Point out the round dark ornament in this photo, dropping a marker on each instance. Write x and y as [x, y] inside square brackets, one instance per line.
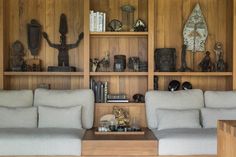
[187, 86]
[115, 25]
[174, 85]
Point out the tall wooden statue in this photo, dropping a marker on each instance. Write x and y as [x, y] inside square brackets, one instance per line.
[63, 47]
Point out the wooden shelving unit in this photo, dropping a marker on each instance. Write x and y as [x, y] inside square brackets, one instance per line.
[220, 74]
[43, 73]
[165, 20]
[95, 34]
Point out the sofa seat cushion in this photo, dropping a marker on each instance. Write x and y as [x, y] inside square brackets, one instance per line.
[187, 141]
[40, 141]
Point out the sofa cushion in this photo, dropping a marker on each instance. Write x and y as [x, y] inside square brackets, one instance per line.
[210, 116]
[16, 98]
[54, 117]
[68, 98]
[170, 119]
[23, 117]
[220, 99]
[188, 99]
[187, 141]
[40, 141]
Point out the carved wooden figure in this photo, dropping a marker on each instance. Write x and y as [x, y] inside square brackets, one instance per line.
[63, 48]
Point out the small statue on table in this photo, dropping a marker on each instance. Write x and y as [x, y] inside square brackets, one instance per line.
[206, 64]
[184, 67]
[122, 116]
[100, 65]
[17, 56]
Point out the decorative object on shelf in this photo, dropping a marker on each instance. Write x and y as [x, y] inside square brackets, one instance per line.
[195, 32]
[174, 85]
[140, 26]
[206, 64]
[97, 21]
[100, 65]
[100, 90]
[63, 48]
[115, 26]
[143, 66]
[122, 116]
[165, 59]
[128, 17]
[94, 64]
[156, 82]
[187, 86]
[134, 124]
[184, 67]
[44, 86]
[220, 64]
[133, 63]
[117, 98]
[119, 63]
[17, 57]
[107, 123]
[34, 32]
[139, 98]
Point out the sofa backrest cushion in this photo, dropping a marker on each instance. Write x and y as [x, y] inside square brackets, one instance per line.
[20, 117]
[220, 99]
[16, 98]
[210, 116]
[182, 100]
[68, 98]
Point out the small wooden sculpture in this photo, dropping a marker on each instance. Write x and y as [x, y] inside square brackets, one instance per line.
[17, 56]
[220, 64]
[206, 64]
[63, 47]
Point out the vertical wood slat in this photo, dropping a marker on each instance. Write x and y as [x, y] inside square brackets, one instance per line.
[1, 43]
[151, 8]
[86, 43]
[234, 44]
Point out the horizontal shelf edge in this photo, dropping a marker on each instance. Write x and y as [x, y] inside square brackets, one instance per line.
[118, 33]
[119, 73]
[193, 74]
[120, 104]
[43, 73]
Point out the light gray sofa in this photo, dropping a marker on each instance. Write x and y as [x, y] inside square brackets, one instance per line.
[170, 114]
[31, 136]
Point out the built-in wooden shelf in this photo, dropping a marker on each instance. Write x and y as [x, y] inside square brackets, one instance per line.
[220, 74]
[43, 73]
[120, 104]
[94, 34]
[118, 73]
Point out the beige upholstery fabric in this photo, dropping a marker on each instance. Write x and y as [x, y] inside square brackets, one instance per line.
[189, 99]
[16, 98]
[68, 98]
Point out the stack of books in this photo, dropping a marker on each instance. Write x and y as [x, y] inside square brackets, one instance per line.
[100, 90]
[117, 98]
[97, 21]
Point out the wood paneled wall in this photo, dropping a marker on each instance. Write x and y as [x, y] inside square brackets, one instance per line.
[47, 12]
[170, 18]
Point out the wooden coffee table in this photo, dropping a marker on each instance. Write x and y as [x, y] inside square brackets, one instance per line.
[119, 145]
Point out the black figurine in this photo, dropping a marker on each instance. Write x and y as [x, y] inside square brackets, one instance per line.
[187, 86]
[63, 48]
[206, 64]
[184, 67]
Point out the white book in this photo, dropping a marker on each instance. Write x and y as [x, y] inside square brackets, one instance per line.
[100, 22]
[91, 21]
[97, 22]
[104, 22]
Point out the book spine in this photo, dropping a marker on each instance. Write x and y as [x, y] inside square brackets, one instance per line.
[105, 91]
[95, 22]
[102, 93]
[104, 22]
[97, 19]
[91, 21]
[101, 22]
